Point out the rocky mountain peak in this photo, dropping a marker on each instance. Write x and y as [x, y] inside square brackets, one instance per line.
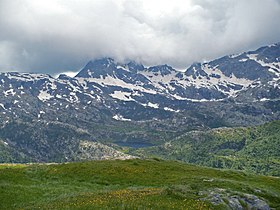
[161, 69]
[64, 77]
[133, 66]
[97, 68]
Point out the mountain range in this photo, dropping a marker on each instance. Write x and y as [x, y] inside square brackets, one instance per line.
[49, 119]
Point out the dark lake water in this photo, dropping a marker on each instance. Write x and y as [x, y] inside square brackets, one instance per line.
[135, 145]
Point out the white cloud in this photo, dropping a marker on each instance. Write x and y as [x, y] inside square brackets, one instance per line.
[58, 35]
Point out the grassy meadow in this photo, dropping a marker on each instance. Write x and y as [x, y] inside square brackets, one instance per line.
[129, 184]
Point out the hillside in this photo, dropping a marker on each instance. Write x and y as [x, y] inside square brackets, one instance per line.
[253, 149]
[133, 184]
[23, 142]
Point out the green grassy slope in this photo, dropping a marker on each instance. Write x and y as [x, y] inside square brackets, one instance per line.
[130, 184]
[254, 149]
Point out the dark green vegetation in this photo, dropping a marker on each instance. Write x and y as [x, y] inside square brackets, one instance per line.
[131, 184]
[253, 149]
[29, 141]
[22, 142]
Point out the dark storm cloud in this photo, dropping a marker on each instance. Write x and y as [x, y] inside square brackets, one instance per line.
[61, 35]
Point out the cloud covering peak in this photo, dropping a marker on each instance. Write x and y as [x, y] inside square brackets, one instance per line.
[61, 35]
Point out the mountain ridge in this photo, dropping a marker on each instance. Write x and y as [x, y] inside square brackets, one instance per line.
[129, 102]
[105, 81]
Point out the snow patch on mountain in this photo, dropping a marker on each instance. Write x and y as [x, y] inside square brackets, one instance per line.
[124, 96]
[44, 96]
[9, 92]
[170, 109]
[113, 81]
[152, 105]
[120, 118]
[2, 105]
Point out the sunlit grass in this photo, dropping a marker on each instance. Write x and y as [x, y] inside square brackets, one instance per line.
[146, 198]
[130, 184]
[12, 165]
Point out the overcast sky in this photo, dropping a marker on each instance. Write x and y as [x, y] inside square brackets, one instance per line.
[54, 36]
